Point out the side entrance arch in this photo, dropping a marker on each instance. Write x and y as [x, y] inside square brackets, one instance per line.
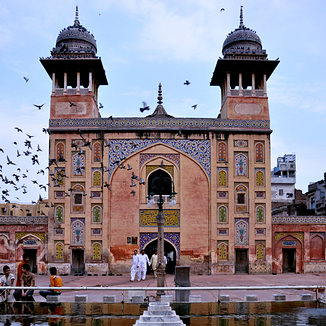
[169, 253]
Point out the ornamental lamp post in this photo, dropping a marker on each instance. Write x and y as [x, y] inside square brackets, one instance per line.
[160, 186]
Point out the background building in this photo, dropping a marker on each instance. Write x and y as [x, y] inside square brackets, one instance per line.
[24, 228]
[283, 180]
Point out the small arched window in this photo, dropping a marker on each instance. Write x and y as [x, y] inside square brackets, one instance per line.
[155, 182]
[221, 152]
[60, 151]
[97, 152]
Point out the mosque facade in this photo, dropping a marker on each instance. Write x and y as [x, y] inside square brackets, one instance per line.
[102, 169]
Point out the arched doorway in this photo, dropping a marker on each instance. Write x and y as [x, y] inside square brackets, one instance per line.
[169, 253]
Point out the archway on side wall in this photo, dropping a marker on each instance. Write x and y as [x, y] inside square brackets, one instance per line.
[169, 253]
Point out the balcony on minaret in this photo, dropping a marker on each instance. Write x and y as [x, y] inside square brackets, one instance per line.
[243, 84]
[73, 84]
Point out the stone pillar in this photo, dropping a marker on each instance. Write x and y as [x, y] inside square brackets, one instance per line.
[53, 83]
[265, 85]
[253, 84]
[228, 84]
[78, 82]
[90, 82]
[160, 251]
[65, 82]
[240, 84]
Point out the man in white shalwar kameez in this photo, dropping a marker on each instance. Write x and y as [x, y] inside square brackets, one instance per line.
[135, 267]
[143, 261]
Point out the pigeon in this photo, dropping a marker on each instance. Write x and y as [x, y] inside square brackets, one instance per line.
[18, 129]
[1, 150]
[145, 107]
[133, 192]
[29, 136]
[26, 79]
[195, 106]
[129, 167]
[142, 182]
[39, 106]
[187, 82]
[101, 106]
[222, 9]
[133, 183]
[107, 185]
[72, 104]
[38, 148]
[9, 161]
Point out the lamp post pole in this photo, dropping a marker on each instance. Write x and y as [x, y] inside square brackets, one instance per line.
[161, 185]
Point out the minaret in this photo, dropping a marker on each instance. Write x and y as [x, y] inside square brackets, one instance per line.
[242, 74]
[76, 74]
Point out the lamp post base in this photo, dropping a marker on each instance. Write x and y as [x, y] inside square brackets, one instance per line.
[160, 280]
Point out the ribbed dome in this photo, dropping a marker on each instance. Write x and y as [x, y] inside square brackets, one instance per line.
[75, 38]
[242, 37]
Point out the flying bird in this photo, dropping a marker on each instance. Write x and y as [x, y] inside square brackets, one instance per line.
[18, 129]
[129, 167]
[39, 106]
[9, 161]
[38, 148]
[29, 136]
[72, 104]
[194, 106]
[101, 106]
[133, 183]
[187, 82]
[26, 79]
[1, 150]
[107, 185]
[133, 192]
[222, 9]
[145, 107]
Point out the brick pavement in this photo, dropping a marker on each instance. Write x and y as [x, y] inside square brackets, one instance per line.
[196, 281]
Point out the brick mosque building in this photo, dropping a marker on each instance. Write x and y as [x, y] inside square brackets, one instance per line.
[220, 167]
[102, 170]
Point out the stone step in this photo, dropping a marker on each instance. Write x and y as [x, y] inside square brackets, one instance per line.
[163, 323]
[159, 318]
[159, 308]
[160, 313]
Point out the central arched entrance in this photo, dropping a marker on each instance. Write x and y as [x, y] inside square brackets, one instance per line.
[169, 253]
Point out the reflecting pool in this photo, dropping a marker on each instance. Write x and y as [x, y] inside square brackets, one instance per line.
[199, 314]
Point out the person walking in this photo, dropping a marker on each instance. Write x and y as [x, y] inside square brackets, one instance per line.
[135, 267]
[153, 263]
[55, 281]
[143, 261]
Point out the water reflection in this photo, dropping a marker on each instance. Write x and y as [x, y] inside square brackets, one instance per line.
[210, 314]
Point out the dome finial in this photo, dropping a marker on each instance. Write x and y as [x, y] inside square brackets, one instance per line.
[160, 97]
[241, 17]
[77, 23]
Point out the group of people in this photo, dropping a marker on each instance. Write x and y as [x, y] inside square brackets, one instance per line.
[139, 265]
[27, 279]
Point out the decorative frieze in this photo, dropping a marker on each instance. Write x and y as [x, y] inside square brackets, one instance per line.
[299, 219]
[24, 219]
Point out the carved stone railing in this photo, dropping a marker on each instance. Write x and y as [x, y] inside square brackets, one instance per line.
[6, 219]
[299, 219]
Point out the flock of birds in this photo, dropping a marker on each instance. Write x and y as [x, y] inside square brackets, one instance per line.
[18, 181]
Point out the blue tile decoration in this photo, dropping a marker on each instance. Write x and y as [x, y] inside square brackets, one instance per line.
[260, 231]
[153, 123]
[173, 157]
[199, 150]
[173, 237]
[322, 234]
[289, 243]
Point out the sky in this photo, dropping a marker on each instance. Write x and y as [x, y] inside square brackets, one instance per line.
[146, 42]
